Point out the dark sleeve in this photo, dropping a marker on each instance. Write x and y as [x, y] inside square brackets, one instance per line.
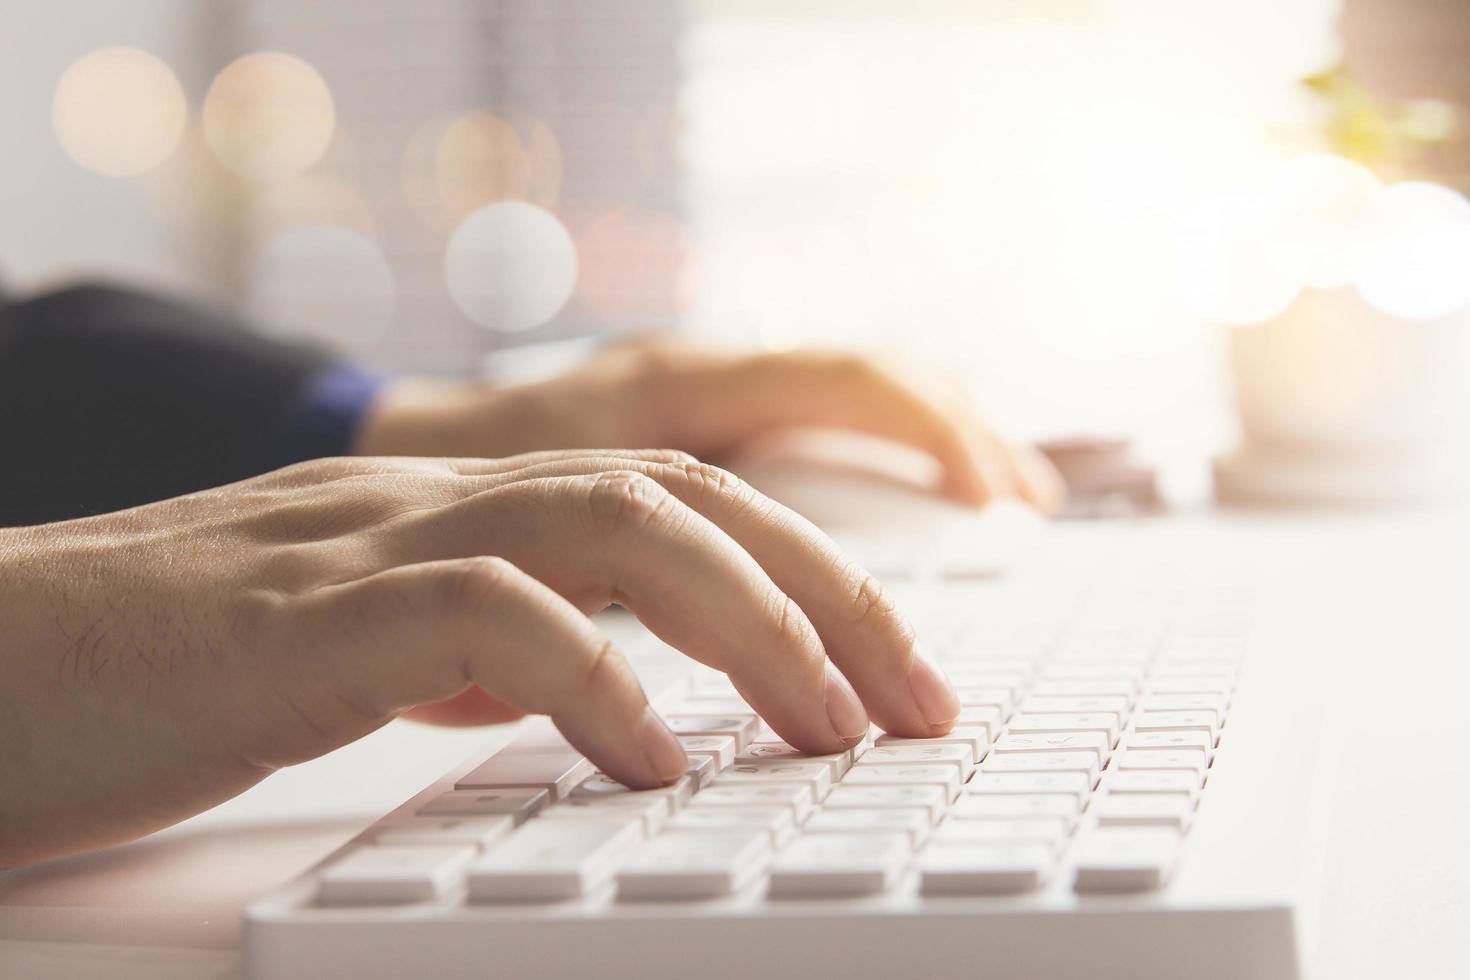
[111, 398]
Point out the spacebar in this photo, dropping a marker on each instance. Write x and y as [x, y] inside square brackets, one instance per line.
[538, 756]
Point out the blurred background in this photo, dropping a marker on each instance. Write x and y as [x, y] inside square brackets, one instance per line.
[1031, 194]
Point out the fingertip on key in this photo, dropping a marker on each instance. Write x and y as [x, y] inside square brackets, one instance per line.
[933, 693]
[846, 713]
[666, 758]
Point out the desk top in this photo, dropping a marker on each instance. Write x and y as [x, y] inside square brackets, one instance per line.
[1397, 893]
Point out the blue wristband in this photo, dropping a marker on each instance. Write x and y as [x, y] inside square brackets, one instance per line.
[326, 415]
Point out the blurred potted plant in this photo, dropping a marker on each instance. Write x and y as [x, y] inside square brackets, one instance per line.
[1355, 387]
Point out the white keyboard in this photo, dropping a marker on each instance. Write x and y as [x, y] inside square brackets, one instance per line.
[1127, 792]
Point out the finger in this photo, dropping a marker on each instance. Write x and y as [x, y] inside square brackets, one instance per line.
[1041, 482]
[469, 707]
[859, 627]
[727, 401]
[417, 633]
[472, 466]
[610, 535]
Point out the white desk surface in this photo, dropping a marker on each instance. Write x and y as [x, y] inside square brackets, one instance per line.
[1397, 901]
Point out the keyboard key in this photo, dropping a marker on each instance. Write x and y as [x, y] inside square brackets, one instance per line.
[712, 685]
[1177, 721]
[555, 769]
[1153, 781]
[1094, 742]
[1106, 724]
[1000, 698]
[913, 822]
[754, 772]
[388, 874]
[796, 796]
[968, 868]
[1183, 702]
[1083, 762]
[694, 865]
[1072, 784]
[932, 800]
[1170, 741]
[838, 762]
[1156, 759]
[740, 727]
[519, 804]
[1123, 655]
[603, 786]
[969, 675]
[701, 771]
[1190, 685]
[1014, 806]
[1125, 860]
[729, 705]
[651, 815]
[1225, 650]
[946, 777]
[956, 754]
[720, 748]
[1076, 670]
[818, 865]
[1036, 830]
[552, 860]
[1216, 675]
[1075, 704]
[977, 738]
[480, 831]
[1173, 810]
[777, 821]
[1126, 689]
[989, 719]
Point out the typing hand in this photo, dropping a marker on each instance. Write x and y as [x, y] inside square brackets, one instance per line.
[159, 660]
[710, 403]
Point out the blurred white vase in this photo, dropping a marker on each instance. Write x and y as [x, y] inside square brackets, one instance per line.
[1340, 402]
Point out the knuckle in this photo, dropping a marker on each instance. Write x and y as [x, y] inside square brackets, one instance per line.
[712, 481]
[322, 470]
[469, 586]
[595, 673]
[292, 566]
[620, 498]
[673, 457]
[257, 613]
[793, 630]
[869, 599]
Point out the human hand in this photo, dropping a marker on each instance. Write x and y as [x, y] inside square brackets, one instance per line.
[159, 660]
[711, 403]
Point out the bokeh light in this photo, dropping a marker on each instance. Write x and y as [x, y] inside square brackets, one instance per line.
[1418, 254]
[119, 111]
[548, 163]
[1314, 211]
[510, 266]
[269, 115]
[324, 281]
[1221, 271]
[454, 164]
[480, 159]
